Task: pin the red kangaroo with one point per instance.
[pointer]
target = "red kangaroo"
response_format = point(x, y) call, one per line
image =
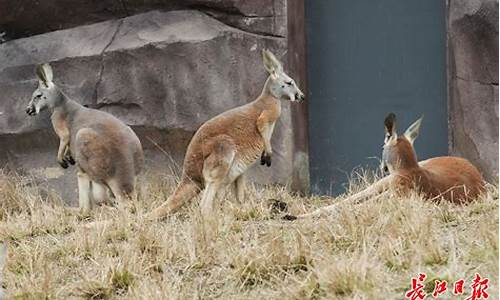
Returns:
point(450, 178)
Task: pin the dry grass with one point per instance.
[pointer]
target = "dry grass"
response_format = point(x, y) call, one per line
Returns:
point(365, 252)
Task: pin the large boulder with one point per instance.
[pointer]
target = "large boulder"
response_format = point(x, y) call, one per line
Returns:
point(163, 73)
point(473, 82)
point(22, 18)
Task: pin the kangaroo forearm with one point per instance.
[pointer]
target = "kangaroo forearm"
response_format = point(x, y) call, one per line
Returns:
point(63, 149)
point(265, 126)
point(266, 136)
point(67, 151)
point(62, 131)
point(267, 146)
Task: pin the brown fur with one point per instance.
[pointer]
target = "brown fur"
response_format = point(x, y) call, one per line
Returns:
point(224, 147)
point(236, 132)
point(61, 128)
point(452, 178)
point(243, 123)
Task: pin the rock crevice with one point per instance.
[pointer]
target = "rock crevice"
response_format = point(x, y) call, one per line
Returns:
point(101, 70)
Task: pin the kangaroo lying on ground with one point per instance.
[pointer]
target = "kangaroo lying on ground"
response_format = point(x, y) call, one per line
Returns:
point(107, 152)
point(450, 178)
point(225, 146)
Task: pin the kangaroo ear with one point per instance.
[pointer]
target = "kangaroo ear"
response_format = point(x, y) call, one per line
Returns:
point(271, 63)
point(390, 124)
point(390, 128)
point(44, 74)
point(412, 132)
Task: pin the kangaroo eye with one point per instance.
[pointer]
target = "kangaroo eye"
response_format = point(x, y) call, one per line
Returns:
point(289, 83)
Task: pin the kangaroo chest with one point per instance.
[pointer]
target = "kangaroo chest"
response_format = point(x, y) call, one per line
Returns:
point(60, 125)
point(252, 151)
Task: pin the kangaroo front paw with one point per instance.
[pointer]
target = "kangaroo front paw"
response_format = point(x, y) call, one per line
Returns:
point(70, 159)
point(63, 164)
point(265, 159)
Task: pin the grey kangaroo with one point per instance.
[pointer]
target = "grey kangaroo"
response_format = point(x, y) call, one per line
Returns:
point(107, 153)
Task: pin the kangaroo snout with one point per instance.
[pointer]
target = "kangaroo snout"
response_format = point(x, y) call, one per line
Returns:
point(299, 97)
point(30, 110)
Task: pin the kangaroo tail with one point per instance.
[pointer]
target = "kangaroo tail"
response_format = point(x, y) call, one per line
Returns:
point(184, 192)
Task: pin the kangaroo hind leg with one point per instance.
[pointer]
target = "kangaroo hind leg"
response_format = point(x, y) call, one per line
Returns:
point(239, 188)
point(84, 190)
point(121, 189)
point(216, 168)
point(101, 194)
point(373, 191)
point(68, 157)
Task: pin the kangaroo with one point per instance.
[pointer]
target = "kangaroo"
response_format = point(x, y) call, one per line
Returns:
point(107, 152)
point(453, 179)
point(224, 147)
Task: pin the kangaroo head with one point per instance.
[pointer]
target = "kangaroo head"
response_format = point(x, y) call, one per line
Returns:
point(398, 151)
point(279, 84)
point(46, 94)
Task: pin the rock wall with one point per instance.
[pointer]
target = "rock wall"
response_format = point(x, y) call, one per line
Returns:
point(163, 67)
point(22, 18)
point(473, 82)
